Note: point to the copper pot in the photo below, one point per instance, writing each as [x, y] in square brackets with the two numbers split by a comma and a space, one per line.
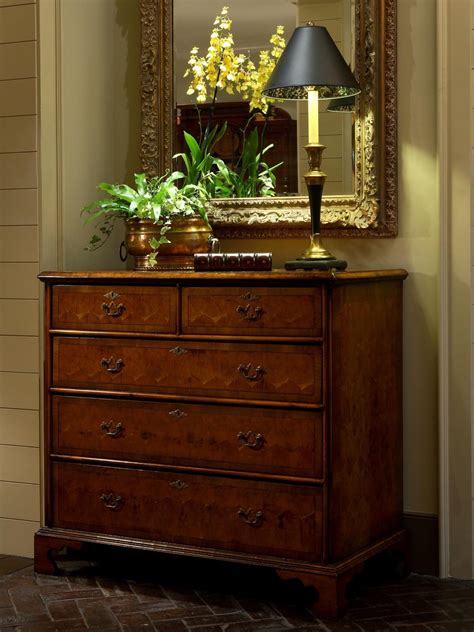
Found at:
[187, 236]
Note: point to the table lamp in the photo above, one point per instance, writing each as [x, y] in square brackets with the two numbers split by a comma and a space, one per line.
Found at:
[344, 104]
[311, 67]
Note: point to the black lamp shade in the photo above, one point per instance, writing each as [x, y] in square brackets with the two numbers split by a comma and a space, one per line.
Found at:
[344, 104]
[311, 61]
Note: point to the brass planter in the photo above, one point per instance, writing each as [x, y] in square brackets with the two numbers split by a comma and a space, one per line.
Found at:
[187, 236]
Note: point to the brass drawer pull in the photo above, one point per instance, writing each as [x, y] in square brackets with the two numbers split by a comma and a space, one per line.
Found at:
[251, 517]
[249, 312]
[249, 374]
[111, 365]
[106, 427]
[178, 350]
[113, 310]
[177, 413]
[112, 502]
[179, 484]
[248, 296]
[251, 440]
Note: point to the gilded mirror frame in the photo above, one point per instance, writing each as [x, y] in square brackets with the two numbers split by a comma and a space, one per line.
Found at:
[371, 211]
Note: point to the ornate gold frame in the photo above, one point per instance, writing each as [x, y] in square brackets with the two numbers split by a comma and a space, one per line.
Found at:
[370, 212]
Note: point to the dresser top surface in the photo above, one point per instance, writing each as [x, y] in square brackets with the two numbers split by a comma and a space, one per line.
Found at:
[189, 277]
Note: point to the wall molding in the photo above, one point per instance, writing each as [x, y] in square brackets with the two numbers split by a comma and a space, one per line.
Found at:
[424, 542]
[455, 288]
[50, 138]
[444, 244]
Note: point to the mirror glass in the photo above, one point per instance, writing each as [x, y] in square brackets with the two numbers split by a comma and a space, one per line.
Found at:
[252, 25]
[360, 159]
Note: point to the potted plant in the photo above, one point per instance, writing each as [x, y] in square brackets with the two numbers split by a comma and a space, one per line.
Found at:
[161, 218]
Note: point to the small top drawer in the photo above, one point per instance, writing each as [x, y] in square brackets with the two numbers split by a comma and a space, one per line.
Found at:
[108, 308]
[257, 311]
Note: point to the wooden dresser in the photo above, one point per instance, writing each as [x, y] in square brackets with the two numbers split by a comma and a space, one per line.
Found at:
[249, 417]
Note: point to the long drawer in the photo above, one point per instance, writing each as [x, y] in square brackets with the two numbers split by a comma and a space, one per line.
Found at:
[257, 311]
[224, 437]
[107, 308]
[243, 371]
[267, 518]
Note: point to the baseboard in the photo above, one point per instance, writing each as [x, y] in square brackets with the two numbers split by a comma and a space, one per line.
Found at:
[424, 541]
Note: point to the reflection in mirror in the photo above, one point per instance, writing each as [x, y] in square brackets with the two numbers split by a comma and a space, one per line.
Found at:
[285, 126]
[361, 156]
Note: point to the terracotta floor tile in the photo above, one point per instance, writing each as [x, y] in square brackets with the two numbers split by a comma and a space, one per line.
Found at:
[171, 626]
[117, 598]
[454, 626]
[219, 603]
[178, 612]
[7, 616]
[219, 619]
[64, 610]
[209, 628]
[98, 616]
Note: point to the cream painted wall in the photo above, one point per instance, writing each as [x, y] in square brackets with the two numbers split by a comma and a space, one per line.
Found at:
[99, 115]
[454, 104]
[458, 215]
[471, 86]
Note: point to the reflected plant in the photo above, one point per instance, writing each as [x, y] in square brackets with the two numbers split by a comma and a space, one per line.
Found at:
[252, 177]
[199, 163]
[222, 69]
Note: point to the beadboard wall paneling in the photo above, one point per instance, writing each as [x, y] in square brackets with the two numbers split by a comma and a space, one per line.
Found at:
[11, 3]
[19, 390]
[18, 97]
[17, 23]
[17, 60]
[19, 354]
[19, 288]
[18, 280]
[18, 170]
[16, 536]
[20, 501]
[19, 464]
[19, 244]
[17, 133]
[19, 427]
[19, 317]
[18, 207]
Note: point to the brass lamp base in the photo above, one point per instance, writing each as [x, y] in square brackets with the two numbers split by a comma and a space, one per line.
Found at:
[316, 257]
[316, 250]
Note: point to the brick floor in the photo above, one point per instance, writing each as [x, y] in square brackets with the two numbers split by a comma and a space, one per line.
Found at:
[137, 592]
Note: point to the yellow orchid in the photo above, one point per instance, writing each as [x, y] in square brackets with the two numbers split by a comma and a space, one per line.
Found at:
[257, 78]
[222, 69]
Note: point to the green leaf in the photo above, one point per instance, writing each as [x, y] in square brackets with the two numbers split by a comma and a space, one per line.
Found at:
[140, 182]
[193, 145]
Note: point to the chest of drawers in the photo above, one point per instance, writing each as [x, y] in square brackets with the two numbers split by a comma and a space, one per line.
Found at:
[250, 417]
